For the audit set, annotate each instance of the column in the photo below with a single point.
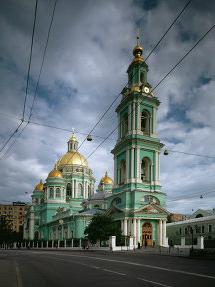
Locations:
(122, 226)
(138, 117)
(135, 231)
(127, 165)
(31, 226)
(138, 164)
(133, 117)
(158, 166)
(115, 170)
(129, 118)
(125, 227)
(160, 232)
(73, 189)
(132, 163)
(138, 230)
(164, 232)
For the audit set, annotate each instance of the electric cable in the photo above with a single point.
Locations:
(29, 64)
(38, 80)
(160, 40)
(171, 70)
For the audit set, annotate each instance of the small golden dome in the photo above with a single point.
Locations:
(39, 186)
(72, 158)
(73, 138)
(55, 173)
(137, 52)
(106, 179)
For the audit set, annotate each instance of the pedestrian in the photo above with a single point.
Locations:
(145, 243)
(138, 245)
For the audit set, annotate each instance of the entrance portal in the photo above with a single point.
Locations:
(147, 234)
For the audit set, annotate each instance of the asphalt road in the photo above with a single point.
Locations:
(19, 268)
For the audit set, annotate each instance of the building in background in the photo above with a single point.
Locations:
(200, 223)
(14, 214)
(63, 206)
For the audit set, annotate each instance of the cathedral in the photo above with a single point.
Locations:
(64, 205)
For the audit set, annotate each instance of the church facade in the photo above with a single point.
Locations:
(63, 206)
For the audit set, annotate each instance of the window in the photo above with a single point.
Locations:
(116, 201)
(145, 122)
(209, 228)
(51, 192)
(151, 199)
(69, 189)
(180, 231)
(122, 171)
(58, 193)
(203, 229)
(80, 190)
(145, 169)
(186, 230)
(124, 125)
(88, 190)
(142, 77)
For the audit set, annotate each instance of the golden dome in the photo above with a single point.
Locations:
(72, 158)
(137, 52)
(73, 138)
(39, 186)
(106, 179)
(55, 173)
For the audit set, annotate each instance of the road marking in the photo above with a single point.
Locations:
(153, 282)
(131, 263)
(107, 270)
(18, 275)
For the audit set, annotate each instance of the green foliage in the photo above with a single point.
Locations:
(101, 227)
(6, 233)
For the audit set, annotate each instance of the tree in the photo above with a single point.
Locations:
(101, 227)
(5, 230)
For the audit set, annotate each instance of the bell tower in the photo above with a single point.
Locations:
(136, 200)
(137, 152)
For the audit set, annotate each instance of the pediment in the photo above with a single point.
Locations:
(151, 209)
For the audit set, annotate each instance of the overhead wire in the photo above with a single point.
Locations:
(37, 84)
(29, 64)
(118, 95)
(27, 82)
(170, 27)
(156, 86)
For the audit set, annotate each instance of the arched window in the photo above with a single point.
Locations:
(80, 190)
(51, 192)
(68, 189)
(148, 199)
(58, 193)
(145, 122)
(124, 124)
(88, 192)
(122, 172)
(116, 201)
(142, 77)
(145, 170)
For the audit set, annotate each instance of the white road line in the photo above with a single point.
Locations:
(133, 263)
(107, 270)
(153, 282)
(18, 275)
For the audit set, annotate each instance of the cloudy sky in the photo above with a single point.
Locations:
(89, 50)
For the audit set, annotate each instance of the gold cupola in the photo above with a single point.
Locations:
(106, 179)
(138, 51)
(55, 173)
(39, 186)
(72, 157)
